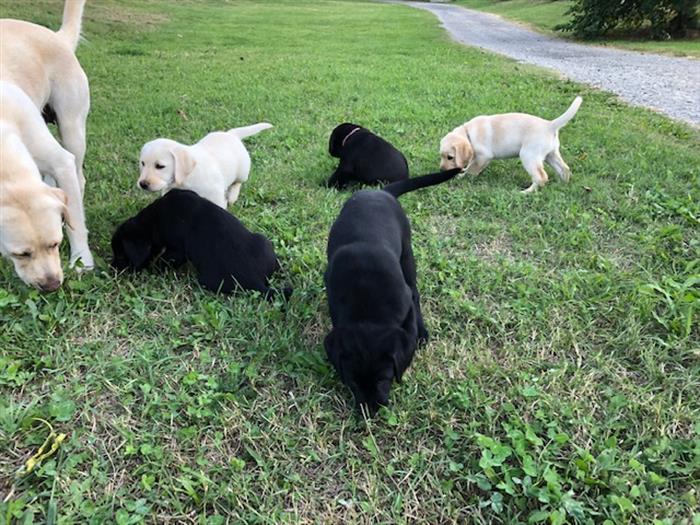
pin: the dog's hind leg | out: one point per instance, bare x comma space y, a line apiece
557, 163
70, 102
233, 192
73, 138
534, 167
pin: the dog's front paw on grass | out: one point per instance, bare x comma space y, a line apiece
82, 262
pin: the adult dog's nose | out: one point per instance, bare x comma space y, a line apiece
50, 284
143, 184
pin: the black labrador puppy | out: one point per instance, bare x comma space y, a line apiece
364, 157
372, 293
181, 226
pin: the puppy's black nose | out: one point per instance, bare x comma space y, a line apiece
143, 184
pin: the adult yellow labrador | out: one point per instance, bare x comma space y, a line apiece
39, 71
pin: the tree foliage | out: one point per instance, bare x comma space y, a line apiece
661, 18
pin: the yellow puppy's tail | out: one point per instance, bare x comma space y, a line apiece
248, 131
72, 21
560, 122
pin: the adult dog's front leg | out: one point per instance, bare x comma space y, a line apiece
54, 161
66, 177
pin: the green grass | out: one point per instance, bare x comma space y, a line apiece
561, 381
545, 15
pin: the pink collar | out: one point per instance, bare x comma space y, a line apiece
348, 136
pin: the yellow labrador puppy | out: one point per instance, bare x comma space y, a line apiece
39, 70
535, 140
214, 168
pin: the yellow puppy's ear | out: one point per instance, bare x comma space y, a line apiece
463, 153
184, 163
61, 196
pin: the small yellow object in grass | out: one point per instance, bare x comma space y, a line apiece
48, 449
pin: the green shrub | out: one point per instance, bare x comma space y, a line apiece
662, 18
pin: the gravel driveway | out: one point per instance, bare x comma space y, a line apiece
667, 84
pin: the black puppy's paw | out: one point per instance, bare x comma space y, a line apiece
273, 293
335, 184
423, 335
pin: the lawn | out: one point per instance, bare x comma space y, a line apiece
545, 15
561, 383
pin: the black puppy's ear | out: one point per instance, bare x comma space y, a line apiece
138, 251
403, 344
409, 323
398, 373
334, 143
333, 353
401, 352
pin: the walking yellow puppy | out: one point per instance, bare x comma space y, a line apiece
484, 138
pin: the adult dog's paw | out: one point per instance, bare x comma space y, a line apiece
82, 261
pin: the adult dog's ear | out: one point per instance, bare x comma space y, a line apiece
463, 152
183, 163
63, 199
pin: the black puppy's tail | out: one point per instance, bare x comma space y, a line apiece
404, 186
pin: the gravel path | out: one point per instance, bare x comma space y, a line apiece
667, 84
